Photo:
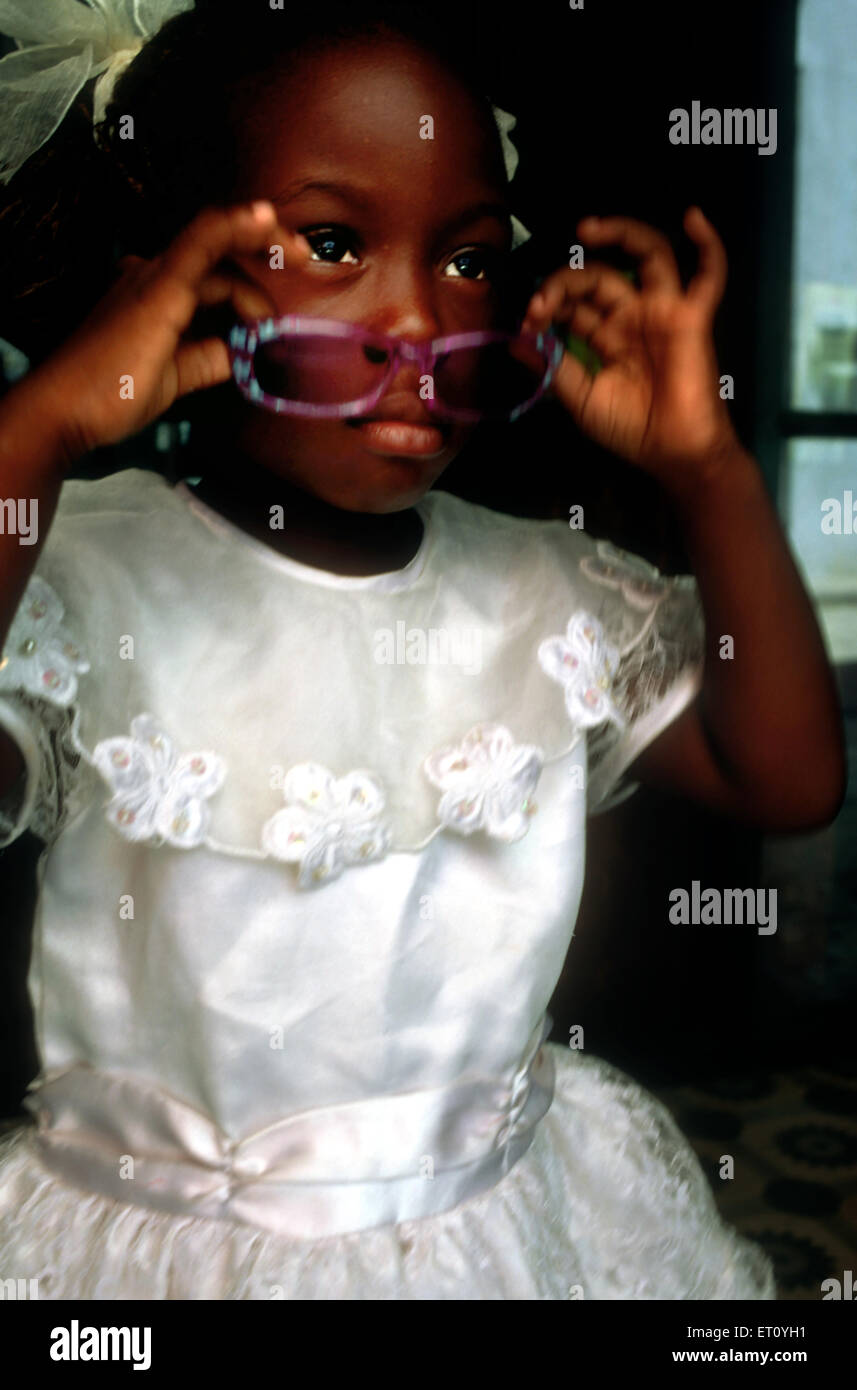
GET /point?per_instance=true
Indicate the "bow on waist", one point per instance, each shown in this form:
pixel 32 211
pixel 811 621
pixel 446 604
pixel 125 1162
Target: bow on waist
pixel 320 1172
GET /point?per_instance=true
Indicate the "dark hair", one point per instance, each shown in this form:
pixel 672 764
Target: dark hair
pixel 78 204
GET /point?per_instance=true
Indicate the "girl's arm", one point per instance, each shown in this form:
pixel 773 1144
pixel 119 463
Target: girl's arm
pixel 764 742
pixel 71 403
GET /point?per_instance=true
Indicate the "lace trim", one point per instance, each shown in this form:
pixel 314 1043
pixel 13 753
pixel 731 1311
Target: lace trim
pixel 59 797
pixel 671 646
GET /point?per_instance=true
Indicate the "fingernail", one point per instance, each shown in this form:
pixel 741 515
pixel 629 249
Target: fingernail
pixel 262 210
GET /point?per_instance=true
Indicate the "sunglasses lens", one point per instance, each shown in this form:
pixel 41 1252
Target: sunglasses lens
pixel 494 380
pixel 318 370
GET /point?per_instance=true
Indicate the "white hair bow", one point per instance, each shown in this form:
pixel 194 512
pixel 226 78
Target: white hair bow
pixel 505 123
pixel 61 45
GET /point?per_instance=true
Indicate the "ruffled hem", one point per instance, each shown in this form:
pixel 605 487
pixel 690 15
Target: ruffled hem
pixel 609 1202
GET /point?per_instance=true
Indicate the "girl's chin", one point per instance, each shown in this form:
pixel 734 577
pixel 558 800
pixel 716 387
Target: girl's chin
pixel 374 483
pixel 396 497
pixel 398 484
pixel 380 503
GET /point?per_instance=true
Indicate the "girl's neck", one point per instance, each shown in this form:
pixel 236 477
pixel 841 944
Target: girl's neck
pixel 309 530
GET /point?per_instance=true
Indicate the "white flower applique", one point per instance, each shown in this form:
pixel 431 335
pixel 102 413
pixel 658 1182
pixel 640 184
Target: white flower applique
pixel 487 782
pixel 327 823
pixel 39 656
pixel 584 664
pixel 640 583
pixel 157 793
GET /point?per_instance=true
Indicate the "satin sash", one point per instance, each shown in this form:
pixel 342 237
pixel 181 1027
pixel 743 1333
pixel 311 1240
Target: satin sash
pixel 319 1173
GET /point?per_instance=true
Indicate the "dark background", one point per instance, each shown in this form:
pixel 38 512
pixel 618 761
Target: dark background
pixel 593 90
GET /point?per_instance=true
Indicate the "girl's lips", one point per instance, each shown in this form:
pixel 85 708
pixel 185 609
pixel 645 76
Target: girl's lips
pixel 400 437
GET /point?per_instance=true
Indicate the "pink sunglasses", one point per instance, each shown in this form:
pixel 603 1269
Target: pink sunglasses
pixel 324 370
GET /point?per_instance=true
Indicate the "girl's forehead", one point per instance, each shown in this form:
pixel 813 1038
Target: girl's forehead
pixel 390 106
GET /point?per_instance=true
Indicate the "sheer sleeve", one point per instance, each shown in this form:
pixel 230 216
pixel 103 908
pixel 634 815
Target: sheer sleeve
pixel 38 689
pixel 653 635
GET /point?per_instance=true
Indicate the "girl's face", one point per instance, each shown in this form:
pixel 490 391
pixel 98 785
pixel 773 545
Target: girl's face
pixel 408 236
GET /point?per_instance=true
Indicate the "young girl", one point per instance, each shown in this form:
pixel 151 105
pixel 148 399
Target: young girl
pixel 304 900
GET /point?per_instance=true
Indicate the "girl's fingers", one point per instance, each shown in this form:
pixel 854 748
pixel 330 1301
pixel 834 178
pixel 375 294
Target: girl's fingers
pixel 604 334
pixel 658 269
pixel 247 299
pixel 200 365
pixel 572 383
pixel 584 320
pixel 212 236
pixel 214 290
pixel 249 302
pixel 707 286
pixel 556 298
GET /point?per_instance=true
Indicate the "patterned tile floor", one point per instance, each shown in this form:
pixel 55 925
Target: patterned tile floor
pixel 793 1131
pixel 793 1137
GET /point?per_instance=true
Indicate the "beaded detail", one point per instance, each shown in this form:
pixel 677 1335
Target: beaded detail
pixel 327 823
pixel 157 793
pixel 487 782
pixel 584 664
pixel 39 656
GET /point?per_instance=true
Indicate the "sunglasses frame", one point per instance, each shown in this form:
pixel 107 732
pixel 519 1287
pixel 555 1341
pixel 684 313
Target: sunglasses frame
pixel 244 338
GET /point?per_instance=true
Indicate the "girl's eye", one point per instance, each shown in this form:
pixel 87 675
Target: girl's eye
pixel 329 242
pixel 475 263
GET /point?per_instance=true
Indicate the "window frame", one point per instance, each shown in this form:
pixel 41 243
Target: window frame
pixel 777 422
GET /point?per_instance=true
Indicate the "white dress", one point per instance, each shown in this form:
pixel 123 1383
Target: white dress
pixel 314 853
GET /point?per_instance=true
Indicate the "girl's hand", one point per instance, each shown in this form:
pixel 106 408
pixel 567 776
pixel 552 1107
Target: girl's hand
pixel 139 330
pixel 655 400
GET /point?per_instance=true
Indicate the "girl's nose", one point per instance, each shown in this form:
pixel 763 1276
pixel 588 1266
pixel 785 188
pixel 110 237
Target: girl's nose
pixel 405 306
pixel 408 379
pixel 411 323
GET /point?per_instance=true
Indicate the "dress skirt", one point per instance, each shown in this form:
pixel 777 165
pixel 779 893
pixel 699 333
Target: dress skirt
pixel 608 1202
